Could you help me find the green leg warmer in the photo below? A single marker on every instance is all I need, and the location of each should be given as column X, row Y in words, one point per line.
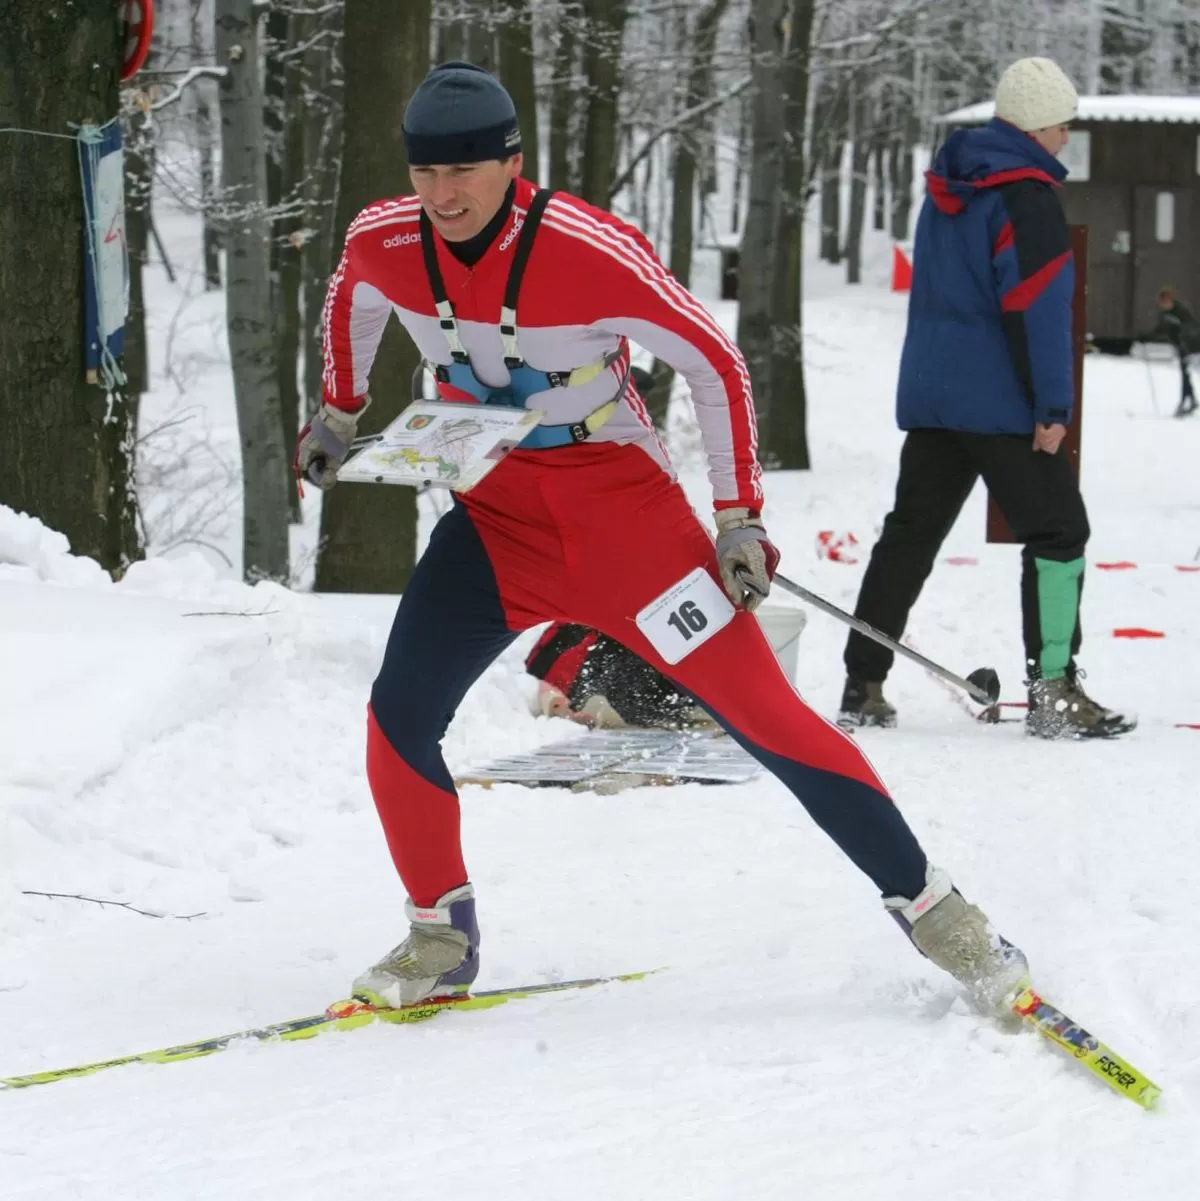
column 1058, row 610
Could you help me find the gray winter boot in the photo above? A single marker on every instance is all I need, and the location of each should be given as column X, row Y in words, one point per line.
column 439, row 958
column 863, row 704
column 960, row 940
column 1061, row 709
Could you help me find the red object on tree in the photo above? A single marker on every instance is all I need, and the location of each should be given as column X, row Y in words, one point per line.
column 137, row 27
column 901, row 271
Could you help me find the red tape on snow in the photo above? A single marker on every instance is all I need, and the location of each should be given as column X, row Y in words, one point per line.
column 1137, row 632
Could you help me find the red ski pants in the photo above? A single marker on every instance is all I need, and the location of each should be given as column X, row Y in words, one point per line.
column 591, row 534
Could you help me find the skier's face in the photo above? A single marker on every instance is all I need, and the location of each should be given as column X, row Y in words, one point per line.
column 462, row 198
column 1053, row 138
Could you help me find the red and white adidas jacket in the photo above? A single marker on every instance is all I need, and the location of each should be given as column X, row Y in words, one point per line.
column 591, row 279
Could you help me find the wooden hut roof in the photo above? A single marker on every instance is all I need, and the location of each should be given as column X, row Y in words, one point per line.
column 1183, row 110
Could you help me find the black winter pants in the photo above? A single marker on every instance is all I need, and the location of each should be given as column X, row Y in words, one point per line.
column 1187, row 400
column 1039, row 497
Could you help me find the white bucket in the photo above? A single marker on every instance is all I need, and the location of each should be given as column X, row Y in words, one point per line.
column 783, row 625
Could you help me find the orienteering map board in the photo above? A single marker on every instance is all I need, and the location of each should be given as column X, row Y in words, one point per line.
column 437, row 445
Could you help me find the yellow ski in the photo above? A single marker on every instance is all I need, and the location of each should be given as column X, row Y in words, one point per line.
column 350, row 1014
column 1101, row 1061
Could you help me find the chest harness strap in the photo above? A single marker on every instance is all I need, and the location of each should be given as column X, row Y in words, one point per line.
column 524, row 381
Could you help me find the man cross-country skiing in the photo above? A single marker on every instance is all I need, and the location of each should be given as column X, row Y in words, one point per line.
column 522, row 297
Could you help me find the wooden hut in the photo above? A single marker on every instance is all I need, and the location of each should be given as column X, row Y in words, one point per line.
column 1134, row 181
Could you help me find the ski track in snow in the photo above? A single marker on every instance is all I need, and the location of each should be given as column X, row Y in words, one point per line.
column 795, row 1047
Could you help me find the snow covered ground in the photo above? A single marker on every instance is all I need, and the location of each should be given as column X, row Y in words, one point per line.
column 193, row 748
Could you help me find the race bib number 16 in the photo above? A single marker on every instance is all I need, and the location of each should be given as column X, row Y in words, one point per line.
column 686, row 616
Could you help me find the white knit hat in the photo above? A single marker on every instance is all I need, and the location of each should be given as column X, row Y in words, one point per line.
column 1033, row 93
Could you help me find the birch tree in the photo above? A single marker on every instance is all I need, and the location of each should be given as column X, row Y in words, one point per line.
column 248, row 294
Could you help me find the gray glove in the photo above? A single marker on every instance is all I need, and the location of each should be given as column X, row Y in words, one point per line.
column 746, row 556
column 324, row 443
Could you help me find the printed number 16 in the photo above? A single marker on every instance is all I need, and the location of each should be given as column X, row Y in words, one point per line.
column 688, row 619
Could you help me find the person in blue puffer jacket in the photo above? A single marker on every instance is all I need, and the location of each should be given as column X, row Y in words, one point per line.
column 986, row 389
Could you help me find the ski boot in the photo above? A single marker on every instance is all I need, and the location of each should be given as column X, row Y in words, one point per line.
column 439, row 958
column 863, row 704
column 1061, row 709
column 959, row 939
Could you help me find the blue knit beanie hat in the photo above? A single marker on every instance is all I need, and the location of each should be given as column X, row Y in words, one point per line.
column 460, row 114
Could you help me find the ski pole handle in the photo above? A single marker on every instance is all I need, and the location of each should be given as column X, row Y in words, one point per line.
column 986, row 690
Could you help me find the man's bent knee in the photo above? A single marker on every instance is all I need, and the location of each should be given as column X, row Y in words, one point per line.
column 414, row 724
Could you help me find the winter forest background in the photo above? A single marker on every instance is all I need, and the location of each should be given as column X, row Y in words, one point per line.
column 725, row 129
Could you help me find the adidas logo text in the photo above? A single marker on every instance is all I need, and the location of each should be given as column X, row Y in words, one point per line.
column 512, row 233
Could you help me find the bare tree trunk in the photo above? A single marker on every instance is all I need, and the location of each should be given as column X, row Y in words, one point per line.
column 284, row 113
column 208, row 190
column 139, row 181
column 859, row 162
column 684, row 164
column 739, row 167
column 787, row 443
column 756, row 274
column 322, row 149
column 465, row 31
column 205, row 142
column 646, row 211
column 683, row 174
column 369, row 534
column 516, row 73
column 282, row 117
column 879, row 178
column 66, row 456
column 248, row 295
column 274, row 43
column 564, row 98
column 831, row 200
column 602, row 70
column 291, row 273
column 902, row 175
column 829, row 140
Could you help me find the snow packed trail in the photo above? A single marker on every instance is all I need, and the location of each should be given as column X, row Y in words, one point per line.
column 193, row 748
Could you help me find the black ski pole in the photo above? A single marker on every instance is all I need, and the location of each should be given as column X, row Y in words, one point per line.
column 983, row 684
